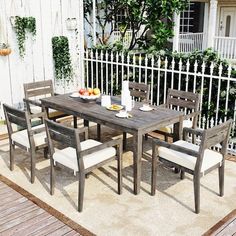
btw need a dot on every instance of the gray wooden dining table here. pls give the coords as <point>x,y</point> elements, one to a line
<point>141,122</point>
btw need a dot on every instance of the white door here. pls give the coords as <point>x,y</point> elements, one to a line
<point>227,24</point>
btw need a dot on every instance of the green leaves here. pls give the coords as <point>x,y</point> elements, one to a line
<point>61,56</point>
<point>22,26</point>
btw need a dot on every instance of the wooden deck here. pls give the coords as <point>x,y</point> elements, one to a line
<point>21,216</point>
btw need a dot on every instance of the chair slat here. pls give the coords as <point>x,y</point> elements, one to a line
<point>182,103</point>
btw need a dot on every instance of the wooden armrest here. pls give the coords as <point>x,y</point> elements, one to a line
<point>83,130</point>
<point>157,142</point>
<point>191,115</point>
<point>192,131</point>
<point>36,131</point>
<point>33,102</point>
<point>37,115</point>
<point>112,143</point>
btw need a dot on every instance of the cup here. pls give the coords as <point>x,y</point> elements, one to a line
<point>123,113</point>
<point>146,106</point>
<point>106,100</point>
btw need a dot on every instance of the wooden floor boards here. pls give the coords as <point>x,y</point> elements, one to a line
<point>21,216</point>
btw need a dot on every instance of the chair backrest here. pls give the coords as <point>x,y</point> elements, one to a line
<point>14,116</point>
<point>38,89</point>
<point>139,90</point>
<point>216,135</point>
<point>183,100</point>
<point>65,136</point>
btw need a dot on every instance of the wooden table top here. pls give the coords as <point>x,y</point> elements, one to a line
<point>140,120</point>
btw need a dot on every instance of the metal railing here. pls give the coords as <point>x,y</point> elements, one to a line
<point>191,41</point>
<point>217,87</point>
<point>226,47</point>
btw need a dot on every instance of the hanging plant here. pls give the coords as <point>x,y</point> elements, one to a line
<point>4,49</point>
<point>61,56</point>
<point>23,25</point>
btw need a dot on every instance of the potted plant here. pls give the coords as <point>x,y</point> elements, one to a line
<point>71,23</point>
<point>22,25</point>
<point>4,49</point>
<point>62,59</point>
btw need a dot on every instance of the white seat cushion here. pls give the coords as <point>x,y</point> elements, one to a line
<point>170,128</point>
<point>22,138</point>
<point>210,157</point>
<point>68,158</point>
<point>36,109</point>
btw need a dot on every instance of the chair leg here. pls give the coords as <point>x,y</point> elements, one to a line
<point>52,177</point>
<point>221,171</point>
<point>124,140</point>
<point>12,158</point>
<point>154,170</point>
<point>81,191</point>
<point>33,157</point>
<point>98,132</point>
<point>182,174</point>
<point>45,152</point>
<point>196,183</point>
<point>119,169</point>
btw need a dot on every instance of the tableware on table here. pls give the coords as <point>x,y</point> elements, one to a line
<point>122,114</point>
<point>114,107</point>
<point>146,107</point>
<point>74,95</point>
<point>106,100</point>
<point>89,98</point>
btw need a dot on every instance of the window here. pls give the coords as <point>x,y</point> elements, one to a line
<point>120,21</point>
<point>192,19</point>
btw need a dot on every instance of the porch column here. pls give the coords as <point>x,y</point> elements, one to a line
<point>94,23</point>
<point>176,32</point>
<point>81,44</point>
<point>212,23</point>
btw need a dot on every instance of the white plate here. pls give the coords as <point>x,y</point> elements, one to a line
<point>74,95</point>
<point>145,108</point>
<point>122,115</point>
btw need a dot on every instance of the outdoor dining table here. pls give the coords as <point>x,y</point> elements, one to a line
<point>138,124</point>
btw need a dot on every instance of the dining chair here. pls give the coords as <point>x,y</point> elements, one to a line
<point>34,91</point>
<point>187,102</point>
<point>193,159</point>
<point>139,91</point>
<point>28,137</point>
<point>80,156</point>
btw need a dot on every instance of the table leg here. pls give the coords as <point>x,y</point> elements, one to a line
<point>178,130</point>
<point>137,156</point>
<point>75,121</point>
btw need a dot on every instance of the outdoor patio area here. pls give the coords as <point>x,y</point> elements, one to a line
<point>169,212</point>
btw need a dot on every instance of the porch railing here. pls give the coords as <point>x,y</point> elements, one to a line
<point>191,41</point>
<point>226,47</point>
<point>216,87</point>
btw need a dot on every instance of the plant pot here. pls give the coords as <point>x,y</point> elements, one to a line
<point>5,51</point>
<point>71,23</point>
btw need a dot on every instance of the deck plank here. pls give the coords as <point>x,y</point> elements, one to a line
<point>21,216</point>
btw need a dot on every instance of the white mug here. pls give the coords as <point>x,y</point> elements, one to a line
<point>106,100</point>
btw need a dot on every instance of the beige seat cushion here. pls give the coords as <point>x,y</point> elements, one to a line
<point>170,128</point>
<point>22,138</point>
<point>210,157</point>
<point>68,158</point>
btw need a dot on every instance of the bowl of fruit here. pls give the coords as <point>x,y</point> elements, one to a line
<point>89,94</point>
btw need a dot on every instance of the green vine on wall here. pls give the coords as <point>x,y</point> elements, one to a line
<point>23,25</point>
<point>62,59</point>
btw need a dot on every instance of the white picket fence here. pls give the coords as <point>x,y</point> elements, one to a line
<point>107,70</point>
<point>226,47</point>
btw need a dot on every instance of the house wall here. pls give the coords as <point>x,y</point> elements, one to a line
<point>37,64</point>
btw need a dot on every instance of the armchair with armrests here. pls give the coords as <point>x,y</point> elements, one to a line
<point>81,156</point>
<point>187,102</point>
<point>30,138</point>
<point>194,159</point>
<point>34,91</point>
<point>140,92</point>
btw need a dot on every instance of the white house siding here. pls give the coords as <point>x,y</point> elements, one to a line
<point>37,64</point>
